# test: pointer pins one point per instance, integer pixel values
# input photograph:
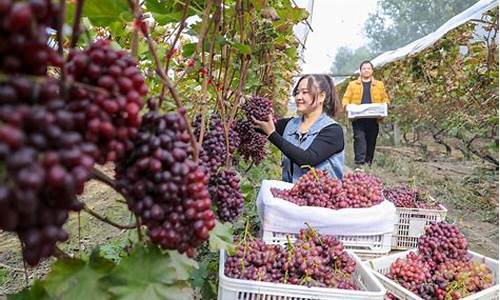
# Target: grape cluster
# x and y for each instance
(225, 192)
(316, 188)
(441, 242)
(402, 196)
(164, 186)
(24, 37)
(410, 272)
(45, 167)
(252, 143)
(312, 260)
(442, 269)
(362, 190)
(108, 113)
(214, 148)
(258, 107)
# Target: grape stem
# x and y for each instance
(100, 176)
(164, 78)
(107, 220)
(61, 253)
(76, 23)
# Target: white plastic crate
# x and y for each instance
(365, 246)
(370, 110)
(238, 289)
(410, 225)
(382, 265)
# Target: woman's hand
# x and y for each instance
(266, 126)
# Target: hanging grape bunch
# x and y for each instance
(253, 142)
(214, 148)
(108, 114)
(163, 186)
(225, 192)
(45, 160)
(23, 32)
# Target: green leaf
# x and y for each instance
(258, 4)
(105, 12)
(291, 52)
(148, 273)
(188, 49)
(242, 48)
(35, 292)
(78, 279)
(221, 237)
(293, 14)
(163, 19)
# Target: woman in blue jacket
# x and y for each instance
(313, 138)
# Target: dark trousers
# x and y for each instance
(365, 139)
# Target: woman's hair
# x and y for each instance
(317, 83)
(365, 62)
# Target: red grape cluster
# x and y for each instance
(108, 113)
(225, 191)
(252, 143)
(258, 107)
(45, 167)
(316, 188)
(411, 272)
(362, 190)
(442, 242)
(402, 196)
(438, 273)
(214, 148)
(164, 186)
(23, 36)
(45, 160)
(312, 260)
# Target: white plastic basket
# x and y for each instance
(365, 246)
(382, 265)
(410, 225)
(238, 289)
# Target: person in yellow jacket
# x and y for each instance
(362, 91)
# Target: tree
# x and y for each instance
(347, 60)
(397, 23)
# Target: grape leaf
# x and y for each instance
(35, 292)
(148, 273)
(221, 237)
(78, 279)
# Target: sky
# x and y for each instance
(335, 23)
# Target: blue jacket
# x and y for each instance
(334, 165)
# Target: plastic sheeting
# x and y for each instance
(474, 12)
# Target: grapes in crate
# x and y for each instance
(316, 188)
(313, 260)
(442, 268)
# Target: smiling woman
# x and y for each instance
(313, 138)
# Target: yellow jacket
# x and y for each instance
(354, 92)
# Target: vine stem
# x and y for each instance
(164, 78)
(102, 177)
(106, 219)
(76, 23)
